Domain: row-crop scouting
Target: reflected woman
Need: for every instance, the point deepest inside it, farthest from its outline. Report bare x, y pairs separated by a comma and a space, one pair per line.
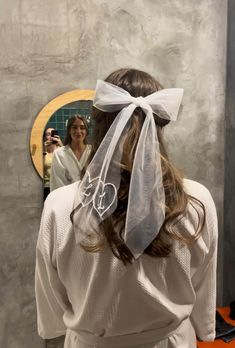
69, 160
51, 142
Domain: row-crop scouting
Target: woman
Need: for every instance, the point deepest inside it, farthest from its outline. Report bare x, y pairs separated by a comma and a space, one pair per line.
127, 257
69, 160
51, 142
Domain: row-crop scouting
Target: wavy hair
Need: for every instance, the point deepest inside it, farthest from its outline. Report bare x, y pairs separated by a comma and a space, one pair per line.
139, 83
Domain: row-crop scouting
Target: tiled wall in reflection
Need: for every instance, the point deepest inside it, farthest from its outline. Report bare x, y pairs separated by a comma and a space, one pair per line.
60, 118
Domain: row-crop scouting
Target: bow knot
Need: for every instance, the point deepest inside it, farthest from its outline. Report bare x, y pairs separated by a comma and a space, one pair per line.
140, 102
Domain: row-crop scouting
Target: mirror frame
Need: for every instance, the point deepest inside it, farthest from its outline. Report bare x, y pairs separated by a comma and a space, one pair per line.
43, 117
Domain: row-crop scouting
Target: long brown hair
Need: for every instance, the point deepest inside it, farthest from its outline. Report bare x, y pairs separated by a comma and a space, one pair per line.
139, 83
70, 123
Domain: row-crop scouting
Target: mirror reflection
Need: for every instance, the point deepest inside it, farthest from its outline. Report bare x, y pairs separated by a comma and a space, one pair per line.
55, 115
66, 144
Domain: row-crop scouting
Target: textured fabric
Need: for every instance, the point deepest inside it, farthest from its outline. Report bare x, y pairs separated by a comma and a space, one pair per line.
66, 168
83, 294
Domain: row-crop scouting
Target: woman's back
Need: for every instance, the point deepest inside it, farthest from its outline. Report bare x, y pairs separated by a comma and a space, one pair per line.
127, 256
101, 296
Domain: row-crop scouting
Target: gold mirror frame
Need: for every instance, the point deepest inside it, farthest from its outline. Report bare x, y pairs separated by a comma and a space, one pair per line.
44, 116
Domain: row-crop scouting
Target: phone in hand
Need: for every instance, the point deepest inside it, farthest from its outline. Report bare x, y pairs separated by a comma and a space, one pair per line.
54, 132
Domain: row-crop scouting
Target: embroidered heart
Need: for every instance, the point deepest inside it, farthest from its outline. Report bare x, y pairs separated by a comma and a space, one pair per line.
87, 189
104, 198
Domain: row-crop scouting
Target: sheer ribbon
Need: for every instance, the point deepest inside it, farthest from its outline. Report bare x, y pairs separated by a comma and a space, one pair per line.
97, 193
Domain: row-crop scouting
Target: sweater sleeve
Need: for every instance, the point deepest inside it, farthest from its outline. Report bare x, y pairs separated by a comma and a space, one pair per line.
51, 297
204, 280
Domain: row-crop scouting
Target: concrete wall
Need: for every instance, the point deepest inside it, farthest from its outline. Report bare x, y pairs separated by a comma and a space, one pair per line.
50, 47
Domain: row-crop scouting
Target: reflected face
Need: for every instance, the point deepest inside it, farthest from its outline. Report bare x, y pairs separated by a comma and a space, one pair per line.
48, 134
78, 131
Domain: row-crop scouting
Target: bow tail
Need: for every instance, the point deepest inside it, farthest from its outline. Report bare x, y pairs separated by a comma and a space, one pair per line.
146, 205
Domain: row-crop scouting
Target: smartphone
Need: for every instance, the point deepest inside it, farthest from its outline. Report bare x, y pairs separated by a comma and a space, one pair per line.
54, 132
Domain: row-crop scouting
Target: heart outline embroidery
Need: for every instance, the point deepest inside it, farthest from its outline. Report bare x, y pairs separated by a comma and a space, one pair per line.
86, 195
98, 198
83, 190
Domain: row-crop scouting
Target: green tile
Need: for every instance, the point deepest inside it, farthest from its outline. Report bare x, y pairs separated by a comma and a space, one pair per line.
59, 112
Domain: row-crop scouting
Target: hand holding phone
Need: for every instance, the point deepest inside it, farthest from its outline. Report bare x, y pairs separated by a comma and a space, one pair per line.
55, 135
56, 138
54, 132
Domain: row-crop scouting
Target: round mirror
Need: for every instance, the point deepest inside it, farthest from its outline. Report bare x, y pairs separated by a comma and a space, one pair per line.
55, 115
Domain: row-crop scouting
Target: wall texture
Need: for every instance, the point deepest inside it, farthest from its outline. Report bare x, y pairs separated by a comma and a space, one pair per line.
50, 47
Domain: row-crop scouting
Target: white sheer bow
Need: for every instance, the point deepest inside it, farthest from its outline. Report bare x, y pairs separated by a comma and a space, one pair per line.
98, 188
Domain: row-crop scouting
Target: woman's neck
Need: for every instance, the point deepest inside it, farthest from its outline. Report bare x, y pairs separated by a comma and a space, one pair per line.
78, 149
77, 146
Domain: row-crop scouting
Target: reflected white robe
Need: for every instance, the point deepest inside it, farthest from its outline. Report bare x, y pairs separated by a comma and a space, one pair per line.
98, 302
66, 168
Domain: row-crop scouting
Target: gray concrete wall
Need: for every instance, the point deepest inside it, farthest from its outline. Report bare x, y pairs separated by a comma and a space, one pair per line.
50, 47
